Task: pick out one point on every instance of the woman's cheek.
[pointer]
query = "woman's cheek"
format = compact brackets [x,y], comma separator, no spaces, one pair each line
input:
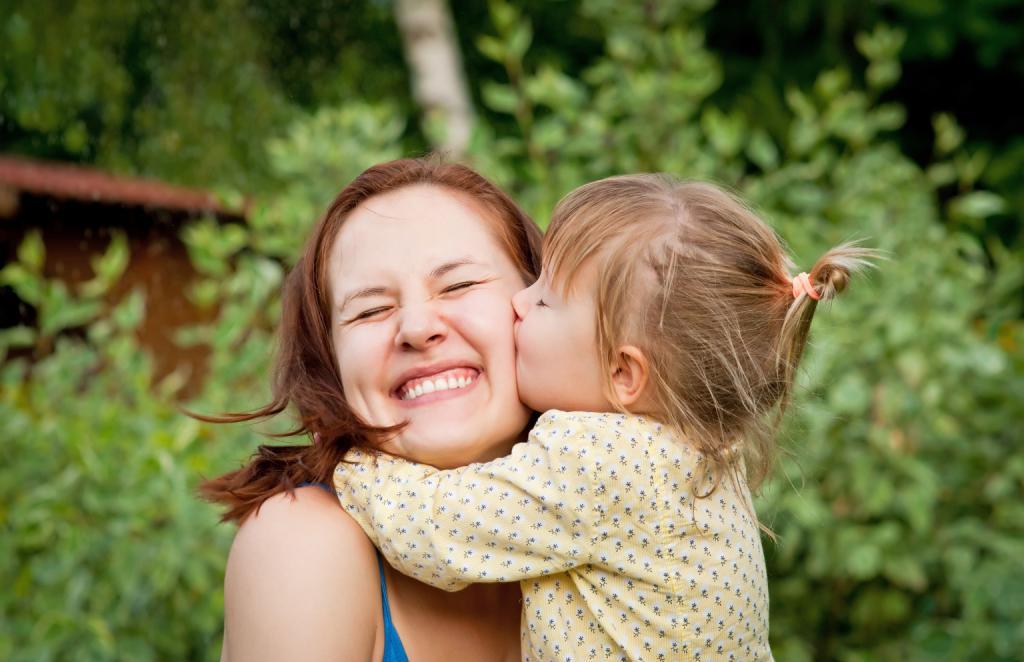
[360,355]
[489,318]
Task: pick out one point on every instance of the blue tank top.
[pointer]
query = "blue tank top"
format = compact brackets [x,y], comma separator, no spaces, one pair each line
[394,651]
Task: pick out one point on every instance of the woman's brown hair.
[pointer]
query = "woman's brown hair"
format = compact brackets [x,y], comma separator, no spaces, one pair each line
[306,373]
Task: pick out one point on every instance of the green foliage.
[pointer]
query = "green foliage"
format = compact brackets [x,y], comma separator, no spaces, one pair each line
[187,91]
[313,160]
[961,58]
[119,85]
[897,503]
[58,309]
[107,552]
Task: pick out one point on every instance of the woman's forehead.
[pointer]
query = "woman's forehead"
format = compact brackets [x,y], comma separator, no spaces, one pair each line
[417,228]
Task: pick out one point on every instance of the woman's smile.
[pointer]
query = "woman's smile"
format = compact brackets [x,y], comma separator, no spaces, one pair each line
[422,386]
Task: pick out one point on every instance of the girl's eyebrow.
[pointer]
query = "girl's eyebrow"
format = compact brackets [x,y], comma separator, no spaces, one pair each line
[435,273]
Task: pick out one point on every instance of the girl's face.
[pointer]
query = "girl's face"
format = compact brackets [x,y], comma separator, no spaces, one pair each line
[422,325]
[557,361]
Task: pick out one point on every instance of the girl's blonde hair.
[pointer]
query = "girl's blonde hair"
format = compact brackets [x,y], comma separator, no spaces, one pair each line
[688,273]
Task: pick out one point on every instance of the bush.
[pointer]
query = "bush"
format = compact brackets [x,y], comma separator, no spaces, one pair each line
[107,553]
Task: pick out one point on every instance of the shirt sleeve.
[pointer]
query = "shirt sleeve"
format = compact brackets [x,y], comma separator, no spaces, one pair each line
[534,512]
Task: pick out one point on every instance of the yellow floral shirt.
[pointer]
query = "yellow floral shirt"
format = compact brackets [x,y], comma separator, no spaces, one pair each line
[596,517]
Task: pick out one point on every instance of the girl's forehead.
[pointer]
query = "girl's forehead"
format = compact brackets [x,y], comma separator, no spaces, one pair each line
[574,270]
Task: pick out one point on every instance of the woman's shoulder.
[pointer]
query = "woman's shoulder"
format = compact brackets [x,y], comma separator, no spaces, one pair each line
[301,583]
[309,516]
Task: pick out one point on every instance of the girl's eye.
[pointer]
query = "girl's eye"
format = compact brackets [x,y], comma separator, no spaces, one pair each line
[460,286]
[541,304]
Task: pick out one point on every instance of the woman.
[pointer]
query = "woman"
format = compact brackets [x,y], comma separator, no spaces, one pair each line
[406,281]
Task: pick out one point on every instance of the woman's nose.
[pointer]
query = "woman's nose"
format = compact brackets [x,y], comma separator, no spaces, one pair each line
[420,327]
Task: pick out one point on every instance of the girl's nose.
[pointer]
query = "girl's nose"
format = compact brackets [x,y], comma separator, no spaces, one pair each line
[420,327]
[521,302]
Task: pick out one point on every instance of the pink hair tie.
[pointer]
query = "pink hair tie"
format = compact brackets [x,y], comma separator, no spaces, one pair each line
[316,438]
[802,285]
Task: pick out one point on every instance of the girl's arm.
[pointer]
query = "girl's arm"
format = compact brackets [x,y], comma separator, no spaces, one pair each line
[301,584]
[535,512]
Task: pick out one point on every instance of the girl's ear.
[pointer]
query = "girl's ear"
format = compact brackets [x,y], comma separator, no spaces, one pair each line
[630,373]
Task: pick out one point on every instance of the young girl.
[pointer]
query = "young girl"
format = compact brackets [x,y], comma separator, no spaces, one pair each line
[627,516]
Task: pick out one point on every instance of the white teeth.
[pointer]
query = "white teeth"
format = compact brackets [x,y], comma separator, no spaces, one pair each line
[433,386]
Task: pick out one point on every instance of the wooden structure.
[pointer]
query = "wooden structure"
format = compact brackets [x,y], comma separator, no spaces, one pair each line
[76,209]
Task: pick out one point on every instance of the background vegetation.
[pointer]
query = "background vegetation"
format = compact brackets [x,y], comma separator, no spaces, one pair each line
[898,505]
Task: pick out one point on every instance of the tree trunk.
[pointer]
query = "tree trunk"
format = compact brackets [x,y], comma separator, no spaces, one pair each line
[435,65]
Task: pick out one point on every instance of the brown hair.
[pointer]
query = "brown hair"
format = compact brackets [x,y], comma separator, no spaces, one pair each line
[692,276]
[306,373]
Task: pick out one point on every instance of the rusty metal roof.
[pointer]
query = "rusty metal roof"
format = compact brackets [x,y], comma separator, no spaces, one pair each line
[63,180]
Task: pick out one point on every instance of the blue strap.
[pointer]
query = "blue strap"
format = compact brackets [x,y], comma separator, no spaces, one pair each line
[394,651]
[323,486]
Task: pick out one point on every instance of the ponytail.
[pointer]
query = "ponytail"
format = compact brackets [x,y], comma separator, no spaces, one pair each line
[829,277]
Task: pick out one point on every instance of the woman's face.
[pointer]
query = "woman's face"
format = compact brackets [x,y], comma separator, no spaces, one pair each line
[422,325]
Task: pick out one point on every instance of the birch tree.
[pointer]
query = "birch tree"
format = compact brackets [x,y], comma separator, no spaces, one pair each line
[435,66]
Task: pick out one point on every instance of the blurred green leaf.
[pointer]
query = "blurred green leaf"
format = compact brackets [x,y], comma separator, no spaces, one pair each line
[948,134]
[762,150]
[108,267]
[32,252]
[976,205]
[492,47]
[500,97]
[27,285]
[518,41]
[726,132]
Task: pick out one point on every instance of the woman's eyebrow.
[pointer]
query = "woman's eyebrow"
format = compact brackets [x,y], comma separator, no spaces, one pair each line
[363,293]
[441,270]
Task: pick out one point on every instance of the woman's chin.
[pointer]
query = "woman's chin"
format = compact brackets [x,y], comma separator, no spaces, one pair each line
[450,437]
[446,453]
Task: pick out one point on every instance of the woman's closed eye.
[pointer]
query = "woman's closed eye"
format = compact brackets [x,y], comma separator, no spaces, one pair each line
[372,312]
[462,285]
[541,304]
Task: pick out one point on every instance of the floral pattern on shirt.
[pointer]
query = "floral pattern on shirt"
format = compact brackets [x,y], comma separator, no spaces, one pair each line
[596,517]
